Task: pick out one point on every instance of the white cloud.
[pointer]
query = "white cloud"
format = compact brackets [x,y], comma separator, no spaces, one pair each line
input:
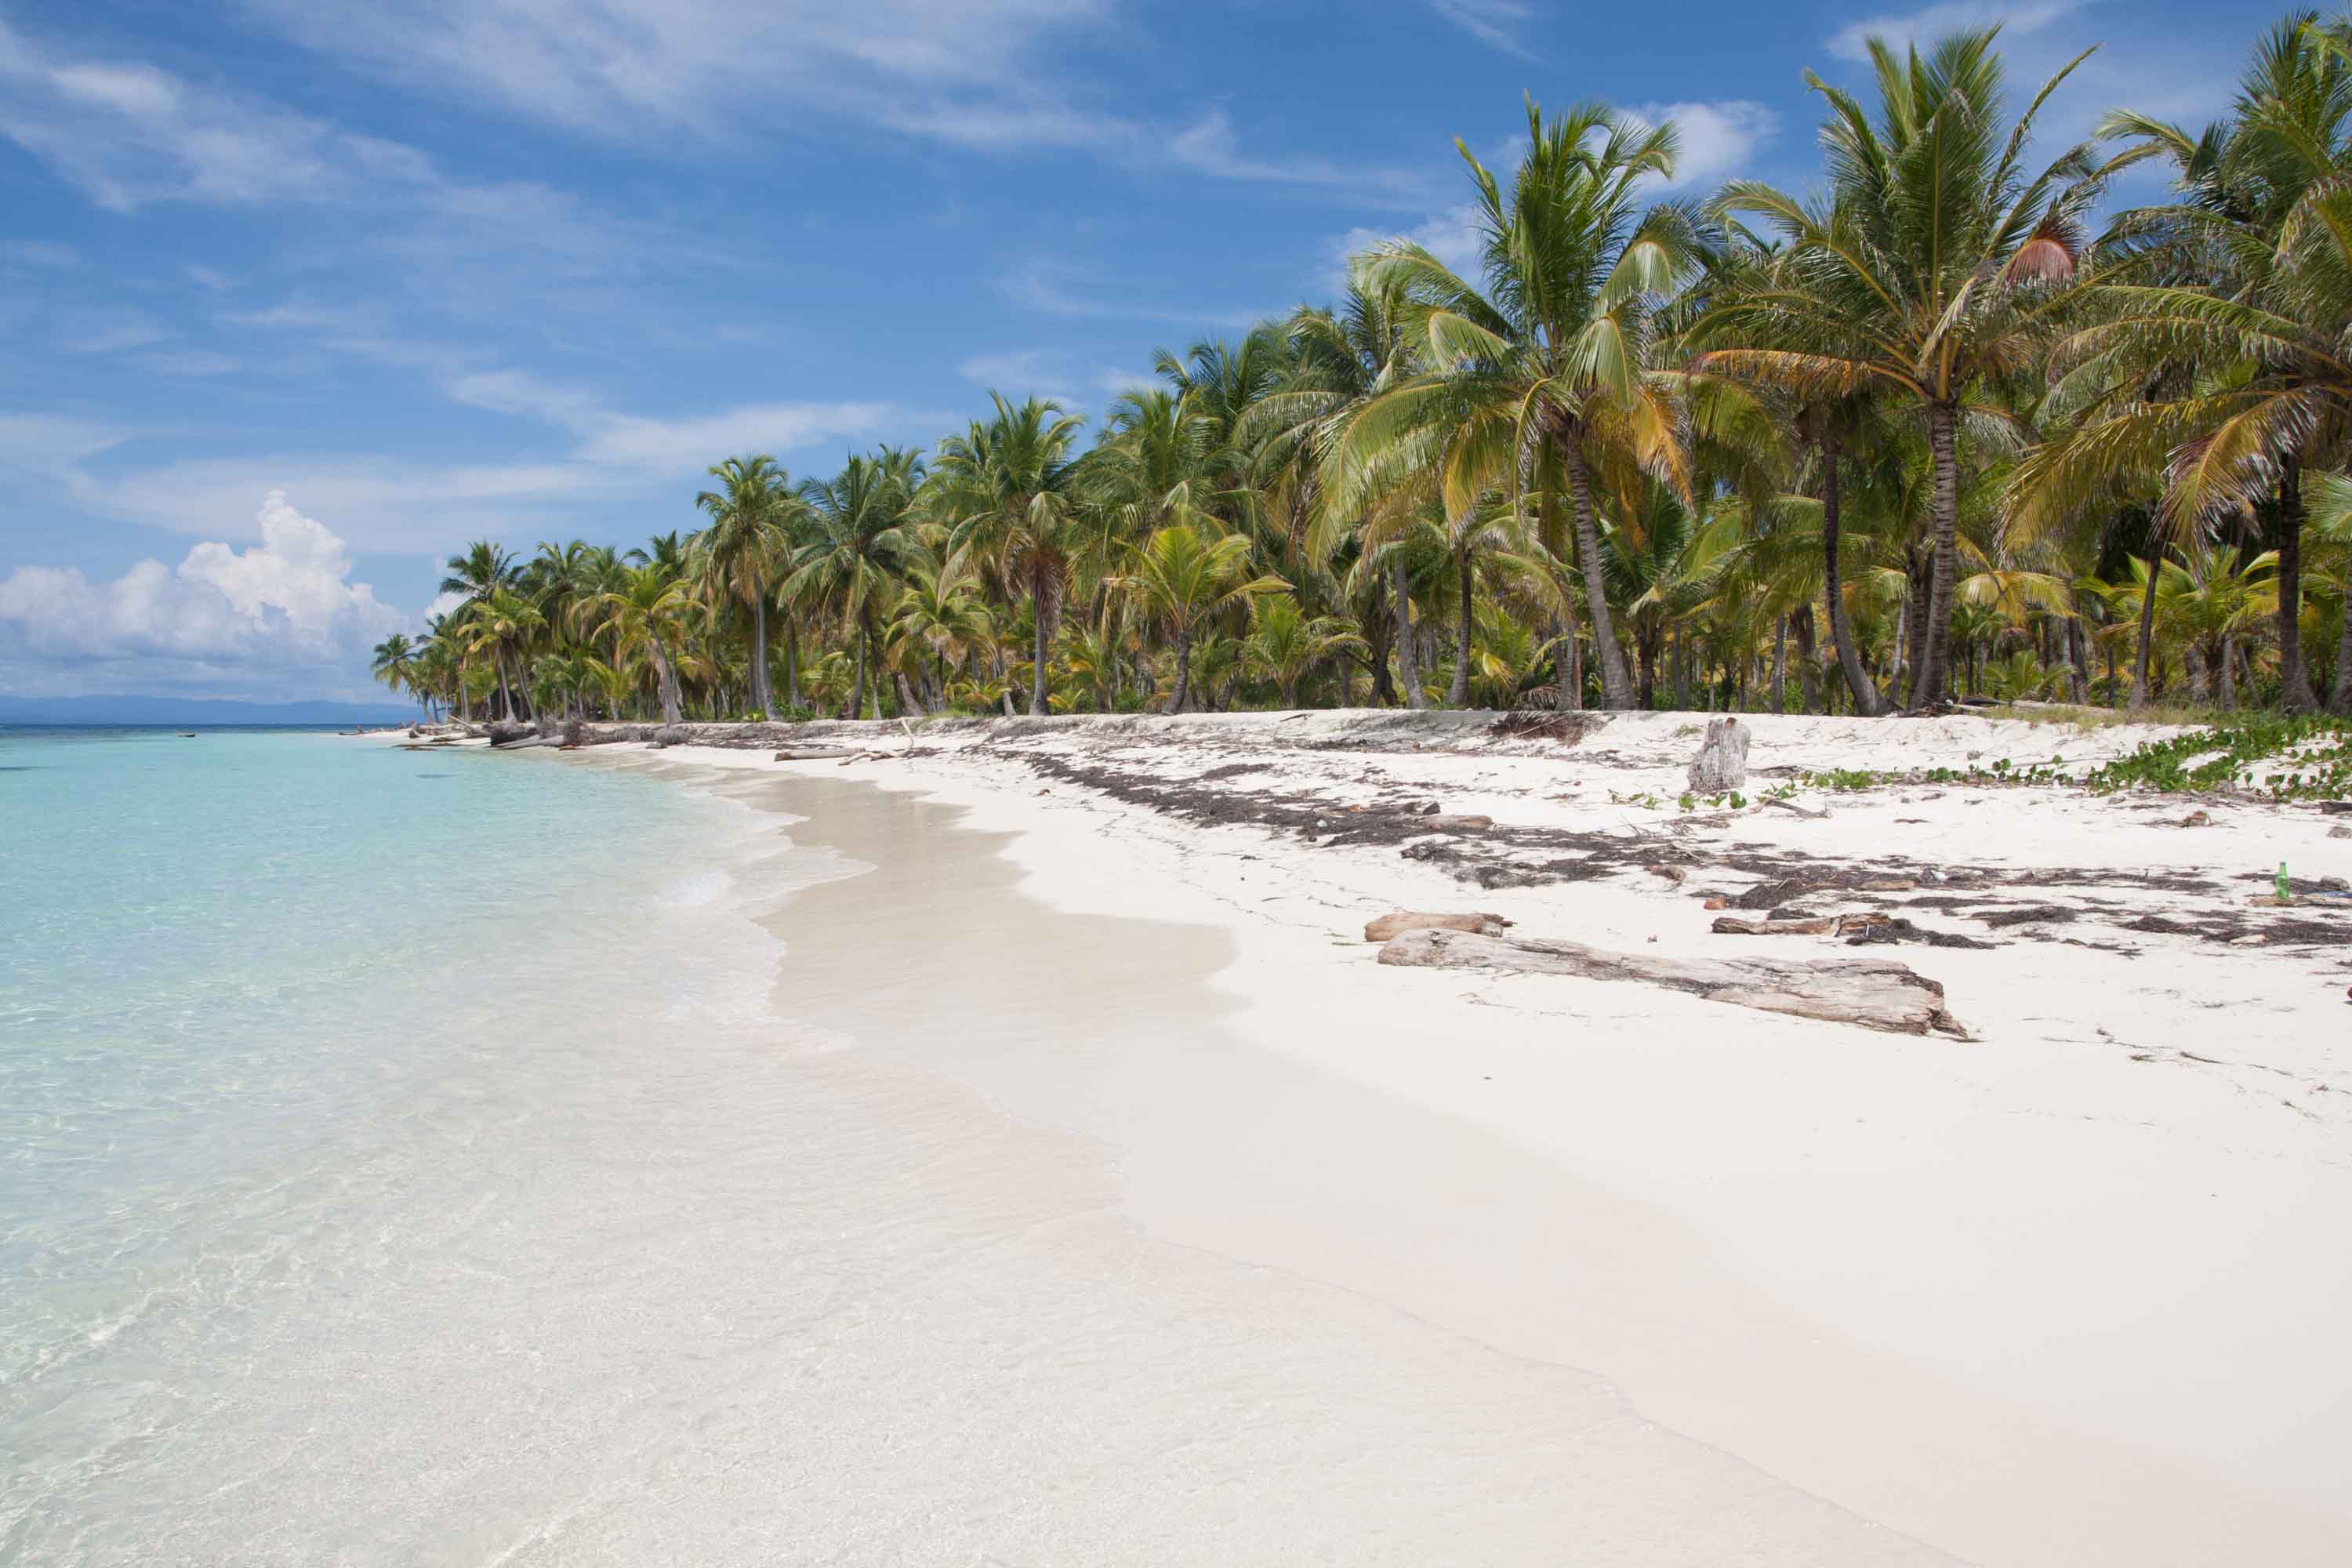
[1495,22]
[2016,20]
[51,444]
[1001,370]
[674,445]
[1717,139]
[281,607]
[1452,236]
[617,67]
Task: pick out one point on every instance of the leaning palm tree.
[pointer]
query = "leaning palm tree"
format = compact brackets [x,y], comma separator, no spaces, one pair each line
[1182,576]
[1547,368]
[1007,486]
[395,662]
[646,618]
[503,624]
[738,556]
[1934,268]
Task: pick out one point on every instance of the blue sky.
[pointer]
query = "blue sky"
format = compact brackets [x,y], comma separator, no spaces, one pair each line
[297,296]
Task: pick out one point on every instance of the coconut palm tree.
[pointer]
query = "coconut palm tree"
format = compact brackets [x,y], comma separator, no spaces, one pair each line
[2216,336]
[1340,359]
[738,555]
[1933,270]
[504,623]
[1007,485]
[1551,361]
[647,617]
[859,520]
[1285,642]
[1182,576]
[482,568]
[395,662]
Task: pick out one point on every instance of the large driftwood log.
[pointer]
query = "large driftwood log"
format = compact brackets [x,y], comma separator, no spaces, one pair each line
[1874,993]
[1391,925]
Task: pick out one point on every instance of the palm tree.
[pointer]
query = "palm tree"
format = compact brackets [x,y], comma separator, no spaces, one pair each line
[1341,360]
[1285,642]
[482,568]
[504,623]
[1548,368]
[2217,334]
[1933,270]
[1181,577]
[862,537]
[738,555]
[646,616]
[939,618]
[394,662]
[1007,485]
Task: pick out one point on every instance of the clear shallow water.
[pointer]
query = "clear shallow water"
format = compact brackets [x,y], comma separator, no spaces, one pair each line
[403,1160]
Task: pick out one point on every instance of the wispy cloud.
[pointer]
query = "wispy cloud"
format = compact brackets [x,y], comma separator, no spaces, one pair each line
[39,253]
[1453,237]
[106,332]
[1495,22]
[1058,289]
[2016,20]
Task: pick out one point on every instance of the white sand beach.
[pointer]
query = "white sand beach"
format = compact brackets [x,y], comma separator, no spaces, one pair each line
[2073,1291]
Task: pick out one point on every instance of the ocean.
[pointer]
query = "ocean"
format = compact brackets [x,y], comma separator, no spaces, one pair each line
[458,1158]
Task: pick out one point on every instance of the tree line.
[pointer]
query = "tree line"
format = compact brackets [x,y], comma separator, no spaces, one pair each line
[1933,428]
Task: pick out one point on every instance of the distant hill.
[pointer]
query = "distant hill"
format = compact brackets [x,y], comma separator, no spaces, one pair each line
[193,710]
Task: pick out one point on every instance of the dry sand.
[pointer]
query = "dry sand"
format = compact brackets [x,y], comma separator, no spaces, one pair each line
[2076,1291]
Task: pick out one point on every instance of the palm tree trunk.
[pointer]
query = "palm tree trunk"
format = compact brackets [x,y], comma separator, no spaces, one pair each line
[1809,662]
[1408,652]
[1038,671]
[1857,680]
[1616,688]
[1458,694]
[1568,674]
[2078,662]
[2295,679]
[667,675]
[1183,686]
[2339,696]
[1935,676]
[761,697]
[1379,633]
[857,692]
[792,660]
[2148,618]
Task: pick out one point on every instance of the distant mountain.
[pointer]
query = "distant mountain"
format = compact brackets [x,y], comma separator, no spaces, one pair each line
[194,711]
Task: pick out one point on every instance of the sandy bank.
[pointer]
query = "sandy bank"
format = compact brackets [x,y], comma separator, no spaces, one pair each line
[2071,1292]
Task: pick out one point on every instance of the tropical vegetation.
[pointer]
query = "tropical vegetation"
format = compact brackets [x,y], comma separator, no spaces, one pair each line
[1954,422]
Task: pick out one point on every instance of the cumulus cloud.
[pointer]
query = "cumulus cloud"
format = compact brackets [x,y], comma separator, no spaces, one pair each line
[1718,140]
[283,606]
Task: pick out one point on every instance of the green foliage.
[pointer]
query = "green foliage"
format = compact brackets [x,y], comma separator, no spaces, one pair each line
[2281,755]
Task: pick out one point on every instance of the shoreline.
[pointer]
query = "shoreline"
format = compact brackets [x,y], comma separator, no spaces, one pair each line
[1868,1265]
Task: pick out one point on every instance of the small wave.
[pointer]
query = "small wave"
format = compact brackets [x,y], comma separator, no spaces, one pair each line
[694,891]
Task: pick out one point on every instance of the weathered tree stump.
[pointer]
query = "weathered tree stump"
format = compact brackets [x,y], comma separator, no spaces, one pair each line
[1722,762]
[1876,993]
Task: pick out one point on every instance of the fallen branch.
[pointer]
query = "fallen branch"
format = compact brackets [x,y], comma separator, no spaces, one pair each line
[1800,811]
[1874,993]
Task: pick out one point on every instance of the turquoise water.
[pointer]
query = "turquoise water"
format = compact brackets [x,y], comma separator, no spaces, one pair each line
[247,982]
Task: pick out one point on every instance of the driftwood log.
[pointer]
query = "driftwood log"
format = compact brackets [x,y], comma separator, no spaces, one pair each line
[1809,925]
[814,753]
[1391,925]
[1876,993]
